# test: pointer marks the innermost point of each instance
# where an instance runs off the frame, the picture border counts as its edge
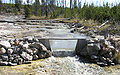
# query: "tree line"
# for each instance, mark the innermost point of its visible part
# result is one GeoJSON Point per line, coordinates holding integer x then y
{"type": "Point", "coordinates": [59, 8]}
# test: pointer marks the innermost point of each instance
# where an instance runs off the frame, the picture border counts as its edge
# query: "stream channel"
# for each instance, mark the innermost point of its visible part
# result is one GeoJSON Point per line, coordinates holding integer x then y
{"type": "Point", "coordinates": [64, 61]}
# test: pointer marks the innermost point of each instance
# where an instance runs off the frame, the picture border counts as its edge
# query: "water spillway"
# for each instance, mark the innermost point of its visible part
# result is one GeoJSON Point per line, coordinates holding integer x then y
{"type": "Point", "coordinates": [63, 48]}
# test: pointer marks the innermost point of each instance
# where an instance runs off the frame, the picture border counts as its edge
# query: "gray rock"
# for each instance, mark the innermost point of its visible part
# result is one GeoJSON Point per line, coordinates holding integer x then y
{"type": "Point", "coordinates": [26, 46]}
{"type": "Point", "coordinates": [15, 56]}
{"type": "Point", "coordinates": [44, 54]}
{"type": "Point", "coordinates": [35, 51]}
{"type": "Point", "coordinates": [26, 56]}
{"type": "Point", "coordinates": [5, 43]}
{"type": "Point", "coordinates": [36, 45]}
{"type": "Point", "coordinates": [103, 59]}
{"type": "Point", "coordinates": [15, 60]}
{"type": "Point", "coordinates": [3, 63]}
{"type": "Point", "coordinates": [2, 50]}
{"type": "Point", "coordinates": [108, 60]}
{"type": "Point", "coordinates": [94, 57]}
{"type": "Point", "coordinates": [35, 57]}
{"type": "Point", "coordinates": [93, 49]}
{"type": "Point", "coordinates": [10, 51]}
{"type": "Point", "coordinates": [29, 51]}
{"type": "Point", "coordinates": [102, 63]}
{"type": "Point", "coordinates": [11, 58]}
{"type": "Point", "coordinates": [4, 57]}
{"type": "Point", "coordinates": [20, 61]}
{"type": "Point", "coordinates": [12, 64]}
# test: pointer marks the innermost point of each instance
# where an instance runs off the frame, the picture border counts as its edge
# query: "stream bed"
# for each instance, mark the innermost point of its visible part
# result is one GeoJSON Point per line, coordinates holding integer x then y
{"type": "Point", "coordinates": [63, 62]}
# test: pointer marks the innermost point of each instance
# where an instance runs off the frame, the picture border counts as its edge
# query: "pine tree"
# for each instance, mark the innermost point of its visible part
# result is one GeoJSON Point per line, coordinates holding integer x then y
{"type": "Point", "coordinates": [43, 7]}
{"type": "Point", "coordinates": [0, 5]}
{"type": "Point", "coordinates": [37, 7]}
{"type": "Point", "coordinates": [18, 4]}
{"type": "Point", "coordinates": [27, 10]}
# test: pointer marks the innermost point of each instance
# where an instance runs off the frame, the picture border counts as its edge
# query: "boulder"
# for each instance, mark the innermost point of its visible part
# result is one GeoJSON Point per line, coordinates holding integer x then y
{"type": "Point", "coordinates": [3, 63]}
{"type": "Point", "coordinates": [94, 57]}
{"type": "Point", "coordinates": [44, 54]}
{"type": "Point", "coordinates": [12, 64]}
{"type": "Point", "coordinates": [9, 51]}
{"type": "Point", "coordinates": [93, 49]}
{"type": "Point", "coordinates": [26, 46]}
{"type": "Point", "coordinates": [20, 61]}
{"type": "Point", "coordinates": [4, 57]}
{"type": "Point", "coordinates": [29, 51]}
{"type": "Point", "coordinates": [26, 56]}
{"type": "Point", "coordinates": [35, 57]}
{"type": "Point", "coordinates": [35, 51]}
{"type": "Point", "coordinates": [36, 45]}
{"type": "Point", "coordinates": [2, 50]}
{"type": "Point", "coordinates": [5, 44]}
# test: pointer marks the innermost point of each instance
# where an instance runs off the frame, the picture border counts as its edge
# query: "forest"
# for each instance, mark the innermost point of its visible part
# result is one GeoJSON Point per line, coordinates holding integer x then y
{"type": "Point", "coordinates": [59, 9]}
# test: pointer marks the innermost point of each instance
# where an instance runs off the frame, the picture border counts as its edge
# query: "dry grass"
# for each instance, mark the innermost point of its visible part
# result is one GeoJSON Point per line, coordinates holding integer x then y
{"type": "Point", "coordinates": [24, 69]}
{"type": "Point", "coordinates": [37, 18]}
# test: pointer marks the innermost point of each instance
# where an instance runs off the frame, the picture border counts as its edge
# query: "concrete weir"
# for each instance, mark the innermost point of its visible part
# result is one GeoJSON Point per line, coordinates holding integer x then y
{"type": "Point", "coordinates": [81, 42]}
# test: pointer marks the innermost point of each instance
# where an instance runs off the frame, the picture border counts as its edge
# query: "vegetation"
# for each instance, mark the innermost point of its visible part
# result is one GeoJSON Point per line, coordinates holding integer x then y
{"type": "Point", "coordinates": [58, 8]}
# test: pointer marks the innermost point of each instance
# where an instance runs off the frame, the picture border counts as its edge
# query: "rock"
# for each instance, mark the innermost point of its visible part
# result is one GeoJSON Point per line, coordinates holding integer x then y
{"type": "Point", "coordinates": [5, 44]}
{"type": "Point", "coordinates": [17, 49]}
{"type": "Point", "coordinates": [101, 63]}
{"type": "Point", "coordinates": [3, 63]}
{"type": "Point", "coordinates": [103, 59]}
{"type": "Point", "coordinates": [29, 51]}
{"type": "Point", "coordinates": [81, 48]}
{"type": "Point", "coordinates": [26, 46]}
{"type": "Point", "coordinates": [9, 51]}
{"type": "Point", "coordinates": [15, 60]}
{"type": "Point", "coordinates": [35, 40]}
{"type": "Point", "coordinates": [94, 57]}
{"type": "Point", "coordinates": [108, 60]}
{"type": "Point", "coordinates": [2, 50]}
{"type": "Point", "coordinates": [20, 61]}
{"type": "Point", "coordinates": [93, 49]}
{"type": "Point", "coordinates": [26, 56]}
{"type": "Point", "coordinates": [21, 43]}
{"type": "Point", "coordinates": [44, 54]}
{"type": "Point", "coordinates": [43, 47]}
{"type": "Point", "coordinates": [4, 57]}
{"type": "Point", "coordinates": [11, 58]}
{"type": "Point", "coordinates": [15, 56]}
{"type": "Point", "coordinates": [35, 51]}
{"type": "Point", "coordinates": [12, 64]}
{"type": "Point", "coordinates": [35, 57]}
{"type": "Point", "coordinates": [36, 45]}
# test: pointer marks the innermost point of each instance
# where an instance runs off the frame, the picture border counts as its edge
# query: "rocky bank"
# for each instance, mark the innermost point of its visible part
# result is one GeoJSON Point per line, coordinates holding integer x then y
{"type": "Point", "coordinates": [16, 52]}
